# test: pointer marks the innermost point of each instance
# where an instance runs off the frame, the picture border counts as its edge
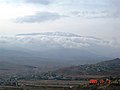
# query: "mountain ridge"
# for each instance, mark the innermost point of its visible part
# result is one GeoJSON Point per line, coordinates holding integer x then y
{"type": "Point", "coordinates": [57, 49]}
{"type": "Point", "coordinates": [51, 34]}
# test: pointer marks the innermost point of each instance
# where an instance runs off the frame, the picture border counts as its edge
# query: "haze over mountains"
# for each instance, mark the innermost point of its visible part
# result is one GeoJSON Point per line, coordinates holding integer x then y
{"type": "Point", "coordinates": [55, 49]}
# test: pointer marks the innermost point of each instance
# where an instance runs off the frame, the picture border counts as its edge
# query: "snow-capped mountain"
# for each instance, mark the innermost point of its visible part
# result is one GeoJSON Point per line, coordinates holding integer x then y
{"type": "Point", "coordinates": [55, 48]}
{"type": "Point", "coordinates": [66, 40]}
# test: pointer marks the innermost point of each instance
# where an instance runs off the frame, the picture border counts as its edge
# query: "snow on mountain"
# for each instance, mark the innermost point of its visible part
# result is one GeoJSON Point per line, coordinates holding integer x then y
{"type": "Point", "coordinates": [56, 40]}
{"type": "Point", "coordinates": [65, 34]}
{"type": "Point", "coordinates": [67, 40]}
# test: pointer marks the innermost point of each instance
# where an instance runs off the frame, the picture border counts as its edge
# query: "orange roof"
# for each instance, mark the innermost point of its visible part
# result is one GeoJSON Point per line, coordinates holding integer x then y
{"type": "Point", "coordinates": [93, 81]}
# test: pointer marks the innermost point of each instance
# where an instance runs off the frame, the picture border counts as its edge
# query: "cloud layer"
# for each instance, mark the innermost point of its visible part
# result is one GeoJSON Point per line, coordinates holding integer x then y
{"type": "Point", "coordinates": [39, 17]}
{"type": "Point", "coordinates": [44, 2]}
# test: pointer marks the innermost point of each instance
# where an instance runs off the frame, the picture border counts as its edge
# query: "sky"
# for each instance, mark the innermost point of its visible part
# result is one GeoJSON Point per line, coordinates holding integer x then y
{"type": "Point", "coordinates": [99, 18]}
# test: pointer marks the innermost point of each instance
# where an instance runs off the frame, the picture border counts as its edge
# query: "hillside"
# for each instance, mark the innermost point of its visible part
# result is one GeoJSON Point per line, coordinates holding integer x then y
{"type": "Point", "coordinates": [8, 69]}
{"type": "Point", "coordinates": [105, 68]}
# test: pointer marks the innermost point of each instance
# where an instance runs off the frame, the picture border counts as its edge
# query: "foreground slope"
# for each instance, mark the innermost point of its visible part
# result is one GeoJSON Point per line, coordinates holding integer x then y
{"type": "Point", "coordinates": [105, 68]}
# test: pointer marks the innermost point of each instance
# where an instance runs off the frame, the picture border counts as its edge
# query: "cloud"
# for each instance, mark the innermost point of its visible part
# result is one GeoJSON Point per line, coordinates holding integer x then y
{"type": "Point", "coordinates": [39, 17]}
{"type": "Point", "coordinates": [91, 14]}
{"type": "Point", "coordinates": [44, 2]}
{"type": "Point", "coordinates": [98, 9]}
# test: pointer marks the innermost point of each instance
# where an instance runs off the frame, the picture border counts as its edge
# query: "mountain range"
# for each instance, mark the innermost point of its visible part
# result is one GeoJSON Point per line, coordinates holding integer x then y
{"type": "Point", "coordinates": [55, 49]}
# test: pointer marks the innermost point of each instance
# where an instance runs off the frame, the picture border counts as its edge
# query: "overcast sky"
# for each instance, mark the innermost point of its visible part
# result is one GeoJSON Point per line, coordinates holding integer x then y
{"type": "Point", "coordinates": [99, 18]}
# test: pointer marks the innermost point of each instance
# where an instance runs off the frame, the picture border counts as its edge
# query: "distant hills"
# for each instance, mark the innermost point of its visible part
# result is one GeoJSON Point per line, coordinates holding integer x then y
{"type": "Point", "coordinates": [10, 69]}
{"type": "Point", "coordinates": [104, 68]}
